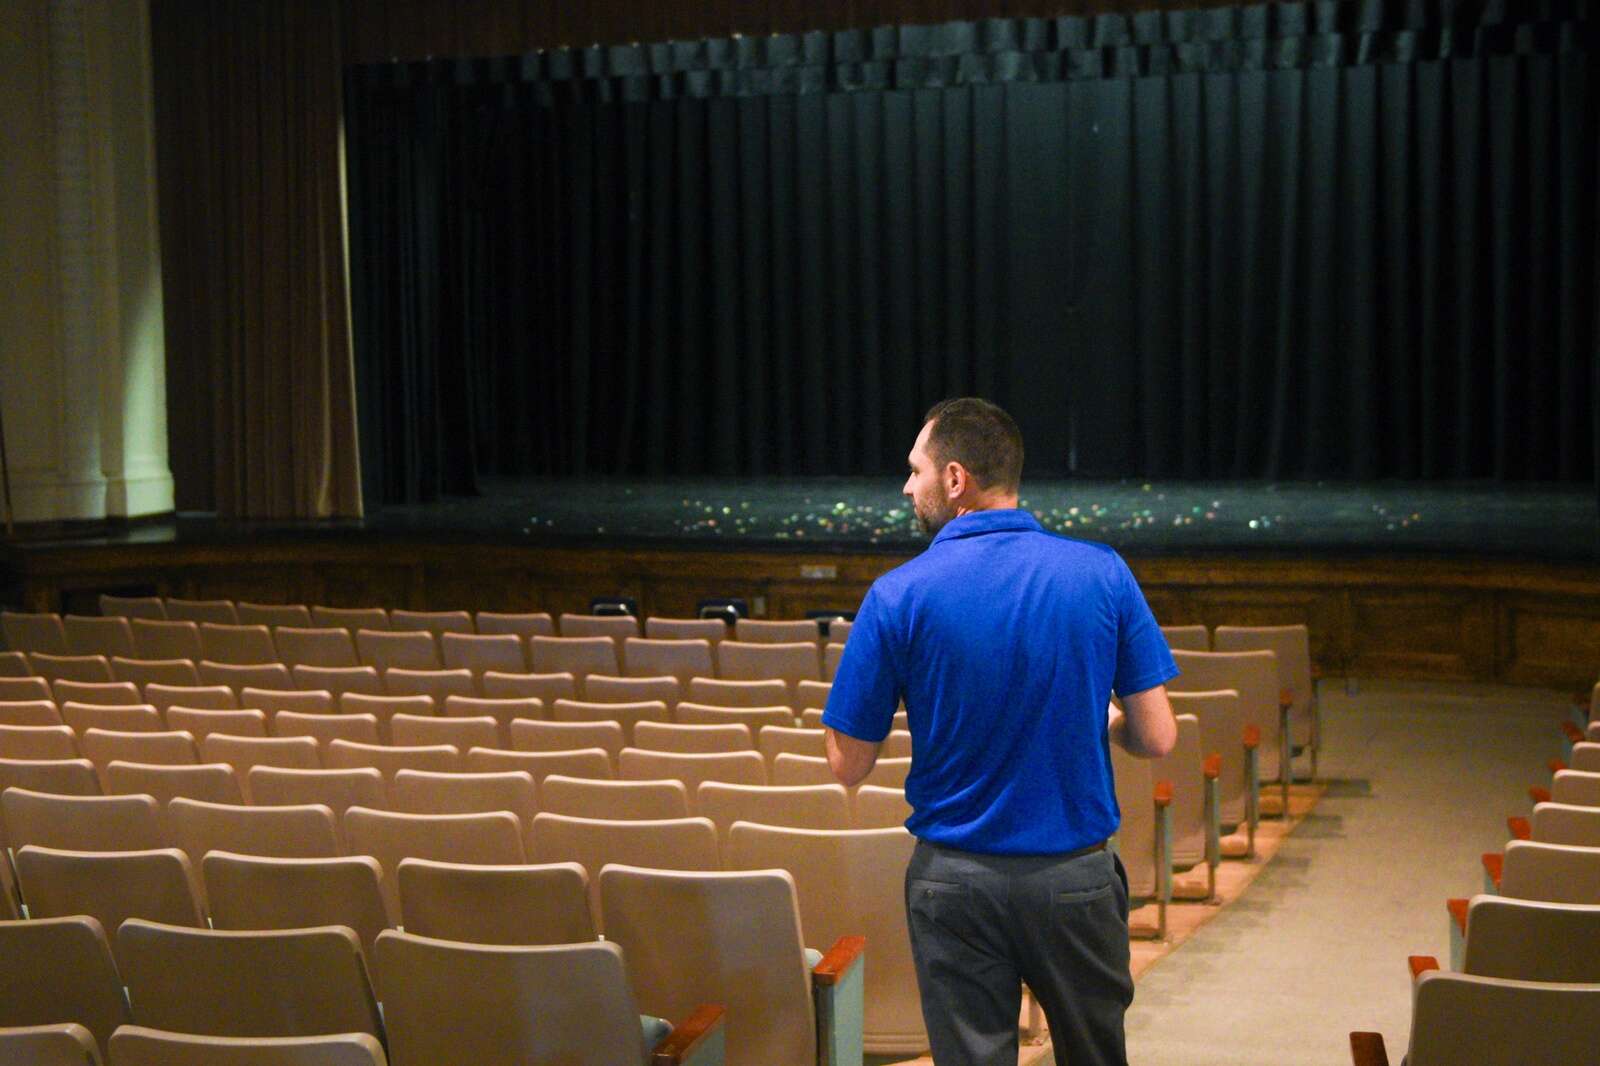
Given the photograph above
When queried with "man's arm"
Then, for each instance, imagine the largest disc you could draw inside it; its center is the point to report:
(1146, 727)
(851, 759)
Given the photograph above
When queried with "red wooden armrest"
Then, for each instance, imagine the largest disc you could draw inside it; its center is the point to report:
(1285, 698)
(1421, 964)
(1521, 828)
(1494, 864)
(838, 960)
(1572, 732)
(1539, 794)
(1316, 672)
(1366, 1049)
(684, 1038)
(1252, 736)
(1212, 766)
(1163, 792)
(1556, 766)
(1458, 912)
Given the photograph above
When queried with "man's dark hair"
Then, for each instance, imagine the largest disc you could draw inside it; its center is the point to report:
(981, 437)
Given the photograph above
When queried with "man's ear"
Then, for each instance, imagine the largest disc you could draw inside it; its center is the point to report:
(956, 480)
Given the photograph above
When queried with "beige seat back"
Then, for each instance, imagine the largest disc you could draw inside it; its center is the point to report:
(211, 782)
(259, 892)
(851, 883)
(304, 832)
(236, 644)
(56, 777)
(1183, 767)
(1222, 721)
(774, 740)
(1576, 788)
(877, 807)
(342, 681)
(767, 631)
(805, 770)
(196, 697)
(92, 635)
(1254, 676)
(338, 790)
(1585, 757)
(425, 730)
(597, 688)
(681, 659)
(528, 735)
(481, 653)
(722, 692)
(799, 807)
(618, 800)
(383, 650)
(580, 762)
(735, 767)
(391, 759)
(133, 606)
(1136, 835)
(537, 904)
(272, 614)
(245, 753)
(135, 1045)
(169, 748)
(77, 669)
(37, 742)
(110, 886)
(97, 693)
(1530, 940)
(1291, 645)
(439, 685)
(219, 611)
(166, 639)
(504, 711)
(31, 632)
(839, 630)
(1189, 638)
(125, 718)
(711, 630)
(307, 646)
(214, 982)
(754, 719)
(578, 656)
(1555, 873)
(70, 974)
(498, 1006)
(143, 672)
(691, 739)
(326, 728)
(624, 714)
(25, 689)
(423, 792)
(1487, 1021)
(201, 723)
(352, 618)
(493, 838)
(240, 676)
(668, 844)
(62, 1044)
(384, 707)
(791, 663)
(82, 822)
(435, 622)
(1563, 823)
(546, 688)
(524, 625)
(301, 701)
(715, 937)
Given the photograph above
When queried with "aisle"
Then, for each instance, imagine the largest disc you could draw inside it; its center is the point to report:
(1422, 777)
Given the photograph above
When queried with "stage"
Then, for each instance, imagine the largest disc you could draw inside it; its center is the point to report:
(1459, 582)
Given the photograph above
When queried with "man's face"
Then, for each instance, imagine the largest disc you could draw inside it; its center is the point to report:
(925, 489)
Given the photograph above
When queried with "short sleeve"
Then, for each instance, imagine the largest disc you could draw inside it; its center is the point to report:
(1143, 658)
(866, 690)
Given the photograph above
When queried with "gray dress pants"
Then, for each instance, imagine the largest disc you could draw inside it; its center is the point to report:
(982, 925)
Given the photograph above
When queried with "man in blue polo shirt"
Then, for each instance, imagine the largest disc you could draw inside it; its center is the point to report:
(1005, 643)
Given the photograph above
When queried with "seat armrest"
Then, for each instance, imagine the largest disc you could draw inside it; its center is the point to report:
(1556, 766)
(846, 952)
(1457, 909)
(838, 987)
(1421, 964)
(1571, 731)
(1521, 828)
(1285, 698)
(699, 1040)
(1366, 1049)
(1252, 736)
(1494, 864)
(1211, 767)
(1163, 793)
(1539, 794)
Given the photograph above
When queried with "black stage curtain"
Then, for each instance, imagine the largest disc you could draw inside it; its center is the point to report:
(1287, 241)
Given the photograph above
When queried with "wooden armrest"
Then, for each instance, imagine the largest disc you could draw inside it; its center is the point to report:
(1252, 737)
(1163, 793)
(1539, 794)
(1494, 864)
(1521, 828)
(1366, 1049)
(844, 953)
(1285, 698)
(1421, 964)
(1556, 766)
(1571, 731)
(1316, 672)
(1212, 766)
(1458, 912)
(688, 1035)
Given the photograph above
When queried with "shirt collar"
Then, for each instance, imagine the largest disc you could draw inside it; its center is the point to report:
(977, 523)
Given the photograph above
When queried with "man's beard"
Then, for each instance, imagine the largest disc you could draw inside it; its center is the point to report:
(931, 516)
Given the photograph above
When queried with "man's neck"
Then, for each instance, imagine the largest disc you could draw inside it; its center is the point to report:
(988, 503)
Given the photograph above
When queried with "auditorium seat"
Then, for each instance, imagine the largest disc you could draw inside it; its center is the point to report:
(681, 659)
(383, 650)
(244, 752)
(593, 843)
(774, 739)
(330, 646)
(338, 790)
(426, 792)
(617, 628)
(839, 630)
(237, 645)
(1144, 838)
(342, 681)
(738, 767)
(896, 745)
(14, 664)
(851, 883)
(301, 701)
(481, 653)
(53, 777)
(143, 672)
(503, 711)
(62, 1044)
(326, 728)
(110, 693)
(133, 606)
(82, 822)
(672, 927)
(125, 718)
(578, 656)
(535, 624)
(38, 742)
(1223, 732)
(137, 1045)
(623, 801)
(1585, 757)
(1560, 823)
(33, 632)
(1187, 638)
(385, 707)
(220, 612)
(209, 782)
(21, 689)
(1554, 873)
(353, 619)
(155, 639)
(214, 982)
(1575, 787)
(625, 714)
(238, 676)
(434, 622)
(763, 631)
(201, 722)
(417, 730)
(493, 838)
(579, 762)
(511, 905)
(439, 684)
(547, 688)
(712, 630)
(754, 719)
(1525, 940)
(168, 748)
(832, 656)
(691, 739)
(717, 692)
(532, 735)
(815, 694)
(90, 635)
(1487, 1021)
(390, 759)
(1196, 832)
(1291, 645)
(38, 712)
(790, 663)
(794, 806)
(265, 892)
(195, 697)
(70, 974)
(435, 1011)
(110, 886)
(598, 688)
(273, 615)
(805, 770)
(877, 807)
(308, 831)
(1254, 676)
(92, 669)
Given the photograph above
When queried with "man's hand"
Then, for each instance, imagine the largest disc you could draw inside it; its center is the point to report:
(1146, 727)
(851, 759)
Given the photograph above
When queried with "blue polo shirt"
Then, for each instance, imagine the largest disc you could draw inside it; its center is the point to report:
(1005, 643)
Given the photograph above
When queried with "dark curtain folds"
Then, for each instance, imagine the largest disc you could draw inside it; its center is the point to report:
(1288, 241)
